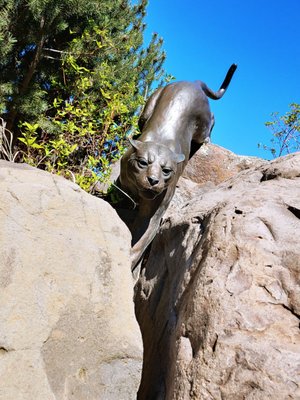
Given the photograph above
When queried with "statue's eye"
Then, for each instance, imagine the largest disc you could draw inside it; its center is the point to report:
(142, 163)
(166, 171)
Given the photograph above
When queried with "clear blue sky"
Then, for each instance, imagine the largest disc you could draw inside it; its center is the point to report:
(202, 38)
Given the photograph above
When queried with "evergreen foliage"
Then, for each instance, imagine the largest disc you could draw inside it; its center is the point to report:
(73, 75)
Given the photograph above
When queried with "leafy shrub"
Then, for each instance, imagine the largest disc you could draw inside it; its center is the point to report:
(86, 128)
(285, 131)
(73, 77)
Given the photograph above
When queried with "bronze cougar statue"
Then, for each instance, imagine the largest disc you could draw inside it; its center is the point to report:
(175, 121)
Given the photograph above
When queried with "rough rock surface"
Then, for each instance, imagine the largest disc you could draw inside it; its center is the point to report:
(215, 164)
(67, 325)
(218, 299)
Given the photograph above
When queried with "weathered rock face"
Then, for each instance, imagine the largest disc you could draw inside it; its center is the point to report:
(218, 300)
(67, 325)
(215, 164)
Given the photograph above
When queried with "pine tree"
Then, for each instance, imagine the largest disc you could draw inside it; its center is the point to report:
(35, 36)
(73, 80)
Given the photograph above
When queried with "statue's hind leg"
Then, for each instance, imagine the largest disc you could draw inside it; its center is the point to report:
(205, 138)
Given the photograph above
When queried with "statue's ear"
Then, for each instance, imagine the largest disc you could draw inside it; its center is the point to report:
(179, 158)
(136, 144)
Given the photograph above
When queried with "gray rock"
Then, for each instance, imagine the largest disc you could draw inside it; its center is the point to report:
(67, 324)
(218, 299)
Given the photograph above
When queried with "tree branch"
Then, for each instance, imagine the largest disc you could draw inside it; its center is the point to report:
(28, 77)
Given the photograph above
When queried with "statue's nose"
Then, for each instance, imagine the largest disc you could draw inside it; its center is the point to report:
(152, 180)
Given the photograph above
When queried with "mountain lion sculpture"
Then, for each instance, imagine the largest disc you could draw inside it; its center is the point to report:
(175, 121)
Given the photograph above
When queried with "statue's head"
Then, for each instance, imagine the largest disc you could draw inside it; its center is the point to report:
(151, 168)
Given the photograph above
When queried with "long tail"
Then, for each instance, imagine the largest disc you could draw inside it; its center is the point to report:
(217, 95)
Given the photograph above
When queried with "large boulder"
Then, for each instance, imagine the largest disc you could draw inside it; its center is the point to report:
(213, 163)
(218, 298)
(67, 324)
